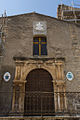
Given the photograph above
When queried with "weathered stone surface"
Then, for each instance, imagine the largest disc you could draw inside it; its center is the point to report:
(62, 42)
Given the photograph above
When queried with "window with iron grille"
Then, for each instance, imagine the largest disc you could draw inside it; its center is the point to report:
(39, 46)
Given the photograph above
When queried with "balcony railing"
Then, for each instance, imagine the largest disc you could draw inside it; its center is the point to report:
(37, 103)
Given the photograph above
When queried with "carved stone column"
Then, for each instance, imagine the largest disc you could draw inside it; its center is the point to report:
(18, 90)
(59, 88)
(60, 97)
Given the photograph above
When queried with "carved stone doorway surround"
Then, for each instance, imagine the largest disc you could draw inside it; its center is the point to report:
(54, 66)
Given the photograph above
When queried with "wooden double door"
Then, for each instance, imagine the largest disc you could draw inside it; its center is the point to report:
(39, 94)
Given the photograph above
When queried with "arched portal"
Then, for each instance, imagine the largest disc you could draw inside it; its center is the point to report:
(39, 93)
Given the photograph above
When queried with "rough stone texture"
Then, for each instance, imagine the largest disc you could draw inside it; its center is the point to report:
(62, 42)
(39, 118)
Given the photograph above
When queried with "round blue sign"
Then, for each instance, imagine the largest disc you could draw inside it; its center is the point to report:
(69, 76)
(7, 76)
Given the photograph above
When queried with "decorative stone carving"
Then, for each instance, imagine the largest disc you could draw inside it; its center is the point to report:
(54, 67)
(39, 27)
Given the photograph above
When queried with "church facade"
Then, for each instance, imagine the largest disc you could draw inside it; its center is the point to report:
(39, 68)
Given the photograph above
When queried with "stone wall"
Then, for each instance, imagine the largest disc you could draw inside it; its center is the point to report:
(38, 118)
(62, 42)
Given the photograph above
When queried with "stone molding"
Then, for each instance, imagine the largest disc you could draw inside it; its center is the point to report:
(23, 68)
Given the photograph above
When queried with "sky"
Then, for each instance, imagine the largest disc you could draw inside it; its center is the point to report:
(47, 7)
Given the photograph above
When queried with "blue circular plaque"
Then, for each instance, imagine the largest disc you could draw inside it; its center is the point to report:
(69, 76)
(7, 76)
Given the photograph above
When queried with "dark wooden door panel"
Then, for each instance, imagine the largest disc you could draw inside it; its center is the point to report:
(39, 97)
(39, 80)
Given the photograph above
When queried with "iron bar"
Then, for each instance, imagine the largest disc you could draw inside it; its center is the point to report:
(42, 103)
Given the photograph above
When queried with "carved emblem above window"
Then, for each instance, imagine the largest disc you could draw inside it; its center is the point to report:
(39, 27)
